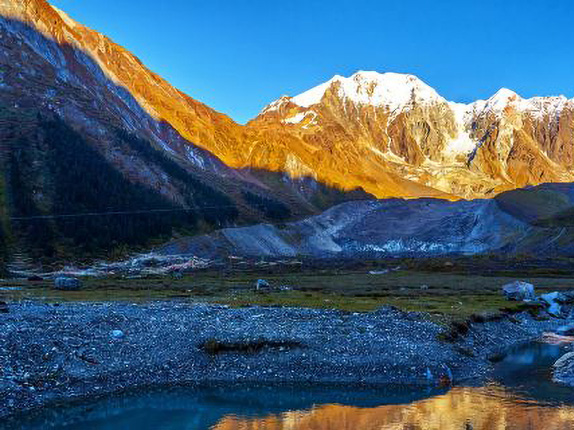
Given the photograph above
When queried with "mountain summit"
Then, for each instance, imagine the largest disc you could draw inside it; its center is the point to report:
(392, 90)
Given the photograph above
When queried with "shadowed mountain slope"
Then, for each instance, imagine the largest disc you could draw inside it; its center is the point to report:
(87, 172)
(530, 221)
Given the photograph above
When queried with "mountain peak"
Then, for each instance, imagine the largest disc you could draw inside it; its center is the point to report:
(536, 106)
(392, 90)
(505, 93)
(502, 97)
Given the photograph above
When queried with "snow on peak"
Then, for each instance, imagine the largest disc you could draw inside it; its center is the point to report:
(315, 94)
(393, 90)
(396, 91)
(276, 104)
(499, 101)
(541, 106)
(504, 94)
(536, 107)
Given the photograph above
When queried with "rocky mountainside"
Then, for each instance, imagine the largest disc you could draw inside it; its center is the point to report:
(372, 125)
(85, 128)
(537, 221)
(63, 58)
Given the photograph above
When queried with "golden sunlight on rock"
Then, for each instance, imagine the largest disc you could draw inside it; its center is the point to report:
(389, 134)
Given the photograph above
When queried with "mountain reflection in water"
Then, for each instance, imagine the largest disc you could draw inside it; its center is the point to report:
(463, 408)
(490, 408)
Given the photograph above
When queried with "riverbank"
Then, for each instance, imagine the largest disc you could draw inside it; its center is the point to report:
(58, 352)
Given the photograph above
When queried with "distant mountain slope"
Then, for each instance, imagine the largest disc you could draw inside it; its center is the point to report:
(530, 221)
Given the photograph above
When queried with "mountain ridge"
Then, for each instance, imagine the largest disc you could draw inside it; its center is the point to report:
(489, 145)
(110, 156)
(429, 148)
(534, 222)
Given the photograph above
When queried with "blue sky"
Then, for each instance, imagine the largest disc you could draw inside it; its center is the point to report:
(237, 56)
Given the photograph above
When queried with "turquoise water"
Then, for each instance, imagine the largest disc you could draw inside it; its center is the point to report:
(522, 396)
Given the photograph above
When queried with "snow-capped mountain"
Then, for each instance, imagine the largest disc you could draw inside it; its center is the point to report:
(396, 123)
(394, 91)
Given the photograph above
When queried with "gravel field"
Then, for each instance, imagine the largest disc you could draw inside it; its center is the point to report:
(68, 351)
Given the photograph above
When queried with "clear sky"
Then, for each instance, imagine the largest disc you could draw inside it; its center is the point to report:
(238, 56)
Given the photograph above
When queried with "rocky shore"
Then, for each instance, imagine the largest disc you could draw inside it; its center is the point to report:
(68, 351)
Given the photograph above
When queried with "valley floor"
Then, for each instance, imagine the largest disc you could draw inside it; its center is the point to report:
(53, 352)
(444, 288)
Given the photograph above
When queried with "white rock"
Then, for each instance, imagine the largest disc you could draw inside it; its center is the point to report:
(519, 290)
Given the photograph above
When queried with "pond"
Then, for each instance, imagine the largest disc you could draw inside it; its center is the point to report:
(521, 396)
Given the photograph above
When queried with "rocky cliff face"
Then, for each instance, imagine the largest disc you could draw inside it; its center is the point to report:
(81, 55)
(392, 124)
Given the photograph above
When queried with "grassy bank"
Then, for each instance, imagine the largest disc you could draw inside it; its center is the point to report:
(453, 294)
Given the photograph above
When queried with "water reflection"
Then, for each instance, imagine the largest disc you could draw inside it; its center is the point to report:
(484, 408)
(527, 371)
(522, 398)
(490, 408)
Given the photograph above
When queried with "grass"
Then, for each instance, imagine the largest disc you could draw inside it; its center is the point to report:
(456, 295)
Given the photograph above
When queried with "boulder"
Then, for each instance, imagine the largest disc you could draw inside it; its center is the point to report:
(262, 284)
(519, 291)
(117, 334)
(553, 301)
(564, 369)
(567, 360)
(67, 283)
(379, 272)
(554, 297)
(554, 309)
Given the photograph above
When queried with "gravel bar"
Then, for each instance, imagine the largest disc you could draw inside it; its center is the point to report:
(69, 351)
